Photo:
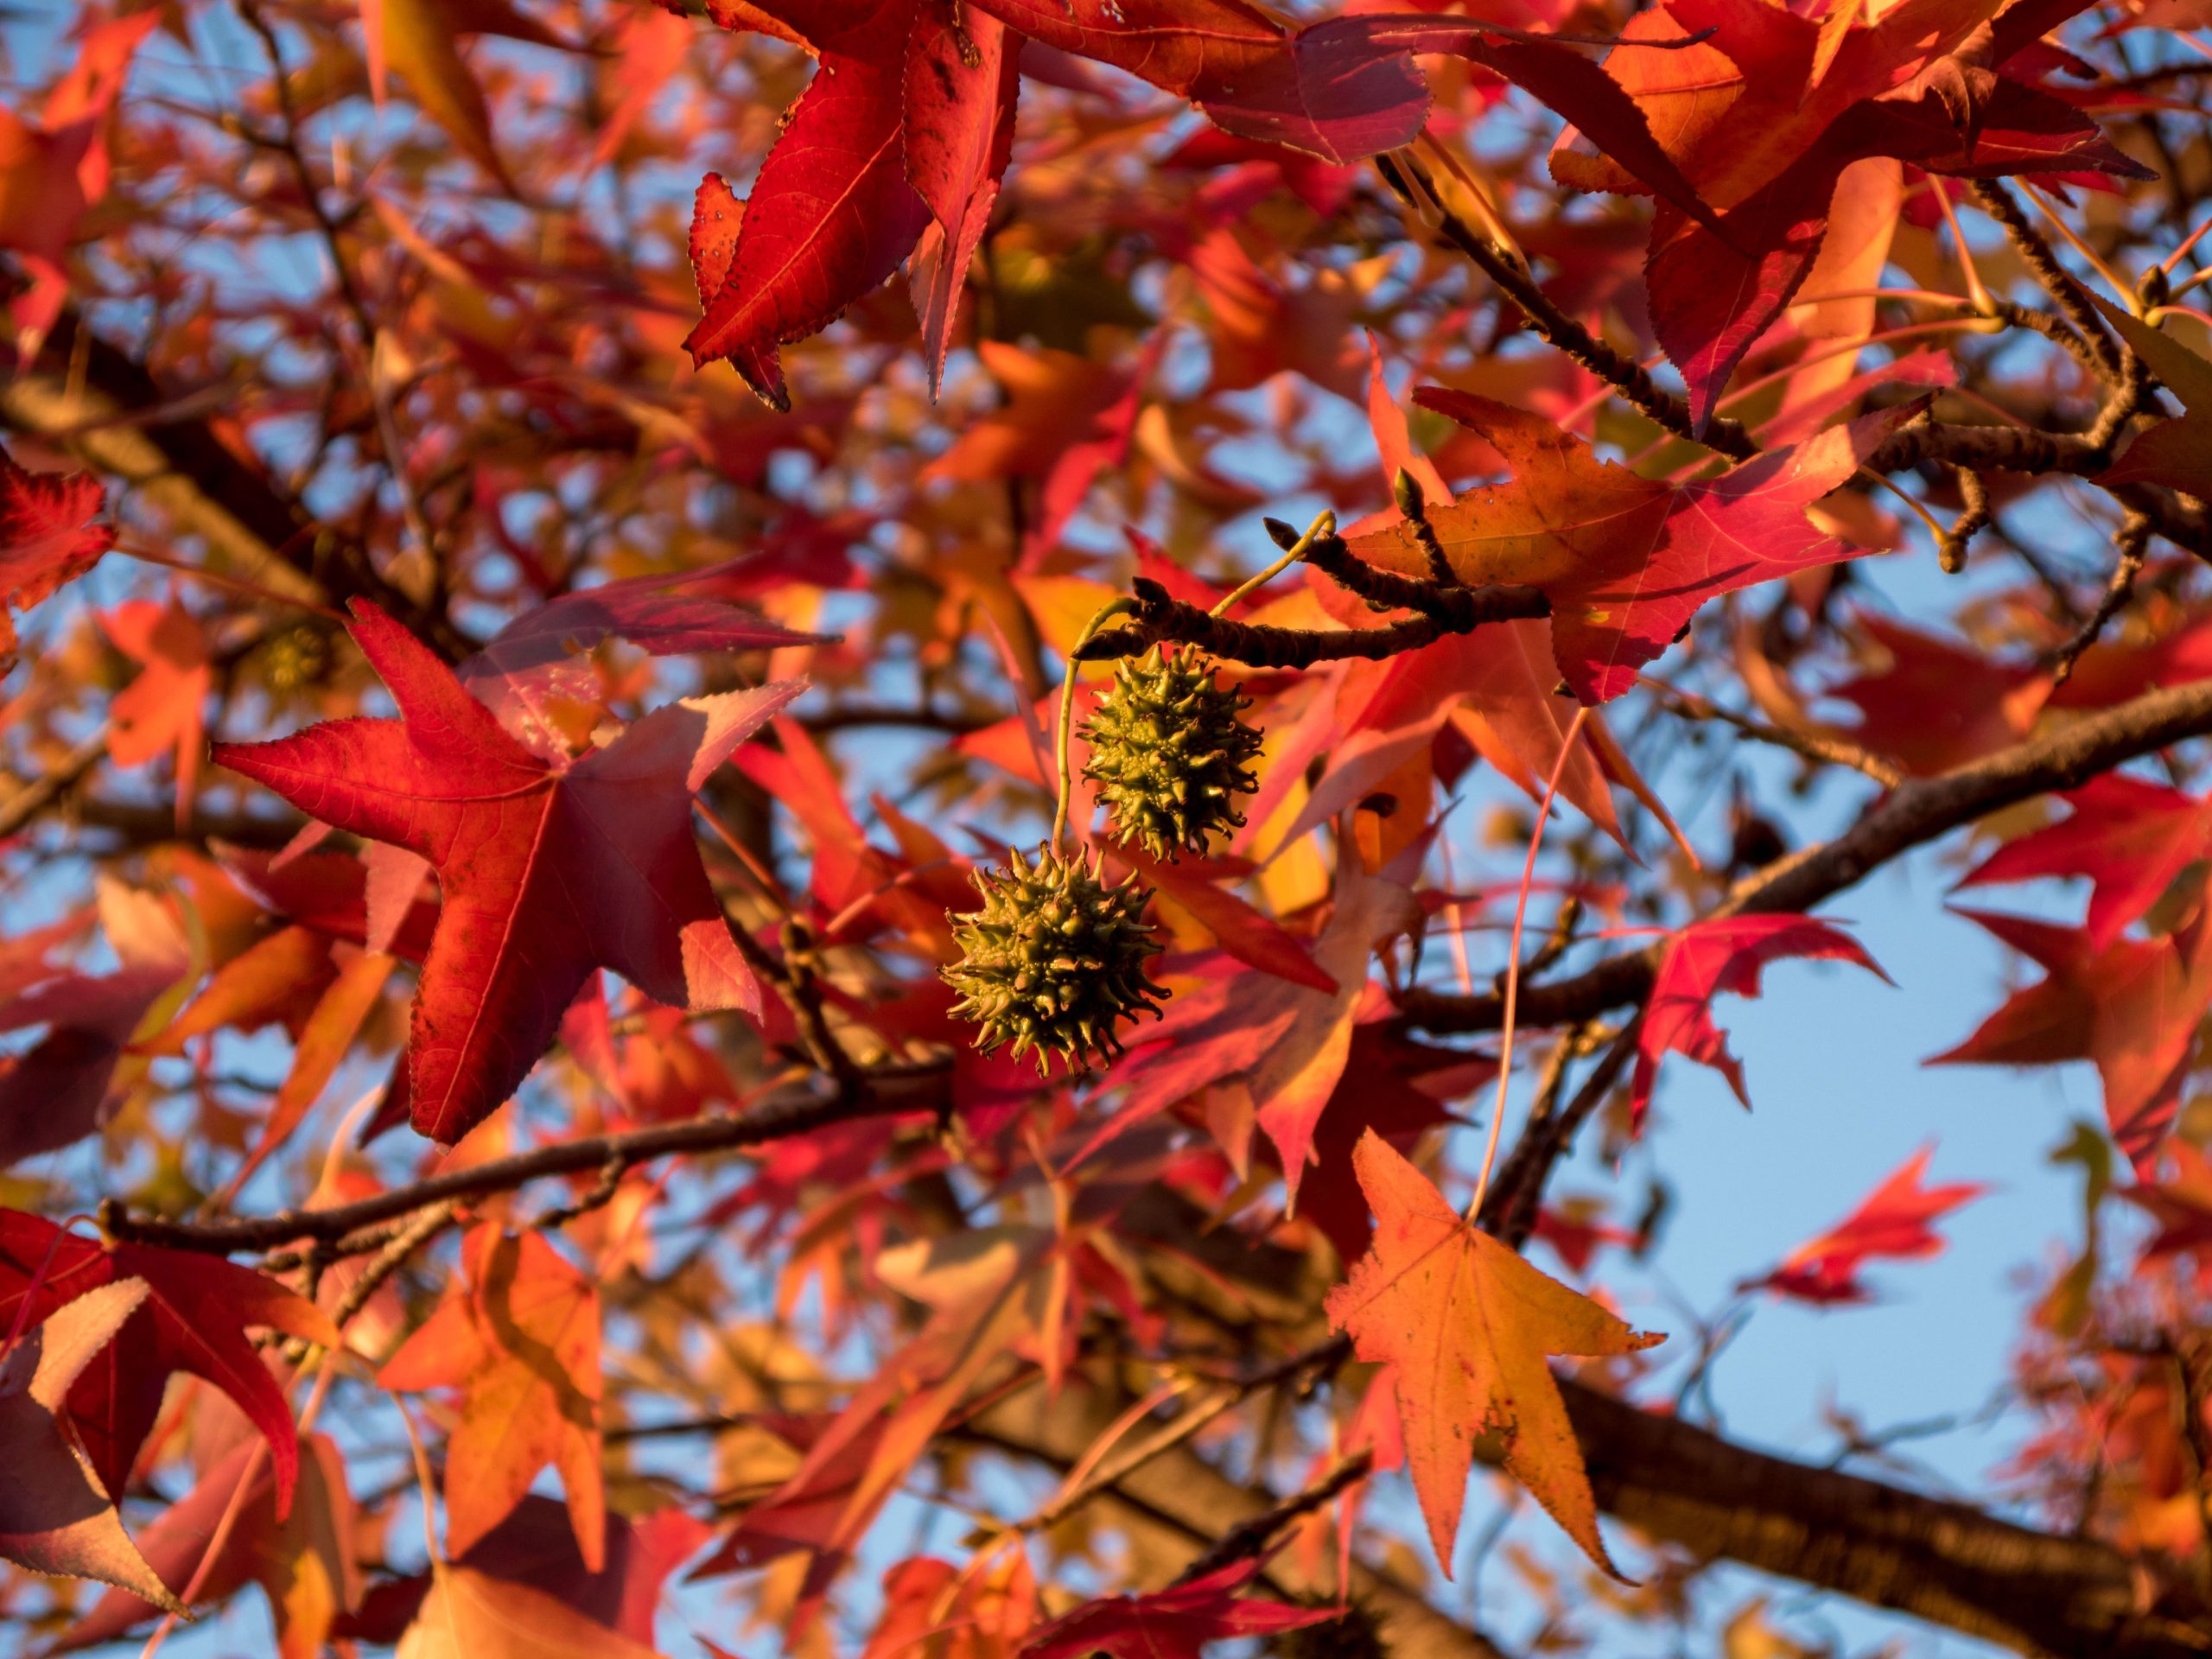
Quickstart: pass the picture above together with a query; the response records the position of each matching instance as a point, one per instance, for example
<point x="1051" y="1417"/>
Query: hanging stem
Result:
<point x="1122" y="606"/>
<point x="1513" y="959"/>
<point x="1324" y="525"/>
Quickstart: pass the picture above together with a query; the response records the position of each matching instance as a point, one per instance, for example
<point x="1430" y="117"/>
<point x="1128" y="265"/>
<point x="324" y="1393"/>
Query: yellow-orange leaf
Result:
<point x="472" y="1615"/>
<point x="523" y="1344"/>
<point x="1464" y="1324"/>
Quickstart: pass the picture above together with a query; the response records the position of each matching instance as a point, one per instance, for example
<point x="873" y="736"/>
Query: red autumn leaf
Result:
<point x="1896" y="1220"/>
<point x="544" y="653"/>
<point x="935" y="1609"/>
<point x="47" y="537"/>
<point x="549" y="871"/>
<point x="845" y="194"/>
<point x="303" y="1562"/>
<point x="522" y="1342"/>
<point x="1464" y="1325"/>
<point x="2131" y="839"/>
<point x="2176" y="453"/>
<point x="1172" y="1624"/>
<point x="960" y="87"/>
<point x="1933" y="704"/>
<point x="1626" y="560"/>
<point x="1287" y="1043"/>
<point x="1727" y="954"/>
<point x="1764" y="116"/>
<point x="1240" y="931"/>
<point x="2181" y="1205"/>
<point x="2132" y="1008"/>
<point x="55" y="1514"/>
<point x="52" y="171"/>
<point x="194" y="1318"/>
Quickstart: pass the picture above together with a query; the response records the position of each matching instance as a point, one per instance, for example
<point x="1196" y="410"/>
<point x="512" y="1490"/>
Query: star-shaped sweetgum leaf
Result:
<point x="1895" y="1220"/>
<point x="194" y="1318"/>
<point x="550" y="870"/>
<point x="900" y="142"/>
<point x="1464" y="1325"/>
<point x="1766" y="112"/>
<point x="2131" y="1008"/>
<point x="522" y="1342"/>
<point x="1626" y="560"/>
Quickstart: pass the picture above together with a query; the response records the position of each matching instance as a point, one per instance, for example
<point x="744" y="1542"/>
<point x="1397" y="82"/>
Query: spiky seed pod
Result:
<point x="1054" y="960"/>
<point x="1169" y="753"/>
<point x="298" y="657"/>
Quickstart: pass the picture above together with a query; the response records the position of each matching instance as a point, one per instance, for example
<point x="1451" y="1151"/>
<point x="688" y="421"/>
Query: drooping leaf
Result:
<point x="832" y="212"/>
<point x="548" y="871"/>
<point x="1464" y="1325"/>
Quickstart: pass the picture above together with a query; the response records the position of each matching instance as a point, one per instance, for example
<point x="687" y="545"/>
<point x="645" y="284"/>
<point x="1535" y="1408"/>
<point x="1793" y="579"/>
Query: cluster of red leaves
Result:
<point x="543" y="469"/>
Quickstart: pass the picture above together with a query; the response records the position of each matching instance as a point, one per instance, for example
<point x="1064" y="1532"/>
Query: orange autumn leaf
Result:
<point x="522" y="1342"/>
<point x="472" y="1615"/>
<point x="1464" y="1325"/>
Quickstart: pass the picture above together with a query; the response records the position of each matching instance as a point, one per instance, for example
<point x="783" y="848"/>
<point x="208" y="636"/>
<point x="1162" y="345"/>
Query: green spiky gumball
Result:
<point x="1169" y="753"/>
<point x="1054" y="960"/>
<point x="295" y="658"/>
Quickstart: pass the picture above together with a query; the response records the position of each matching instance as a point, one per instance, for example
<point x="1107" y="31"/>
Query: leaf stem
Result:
<point x="1513" y="959"/>
<point x="1320" y="529"/>
<point x="1122" y="607"/>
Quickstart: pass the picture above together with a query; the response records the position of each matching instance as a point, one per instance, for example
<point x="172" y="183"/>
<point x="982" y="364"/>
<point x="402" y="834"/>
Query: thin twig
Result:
<point x="2133" y="539"/>
<point x="1249" y="1538"/>
<point x="1814" y="746"/>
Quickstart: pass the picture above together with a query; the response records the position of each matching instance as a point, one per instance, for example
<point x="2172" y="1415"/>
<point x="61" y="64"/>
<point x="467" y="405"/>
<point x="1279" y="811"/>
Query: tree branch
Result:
<point x="886" y="1091"/>
<point x="1908" y="815"/>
